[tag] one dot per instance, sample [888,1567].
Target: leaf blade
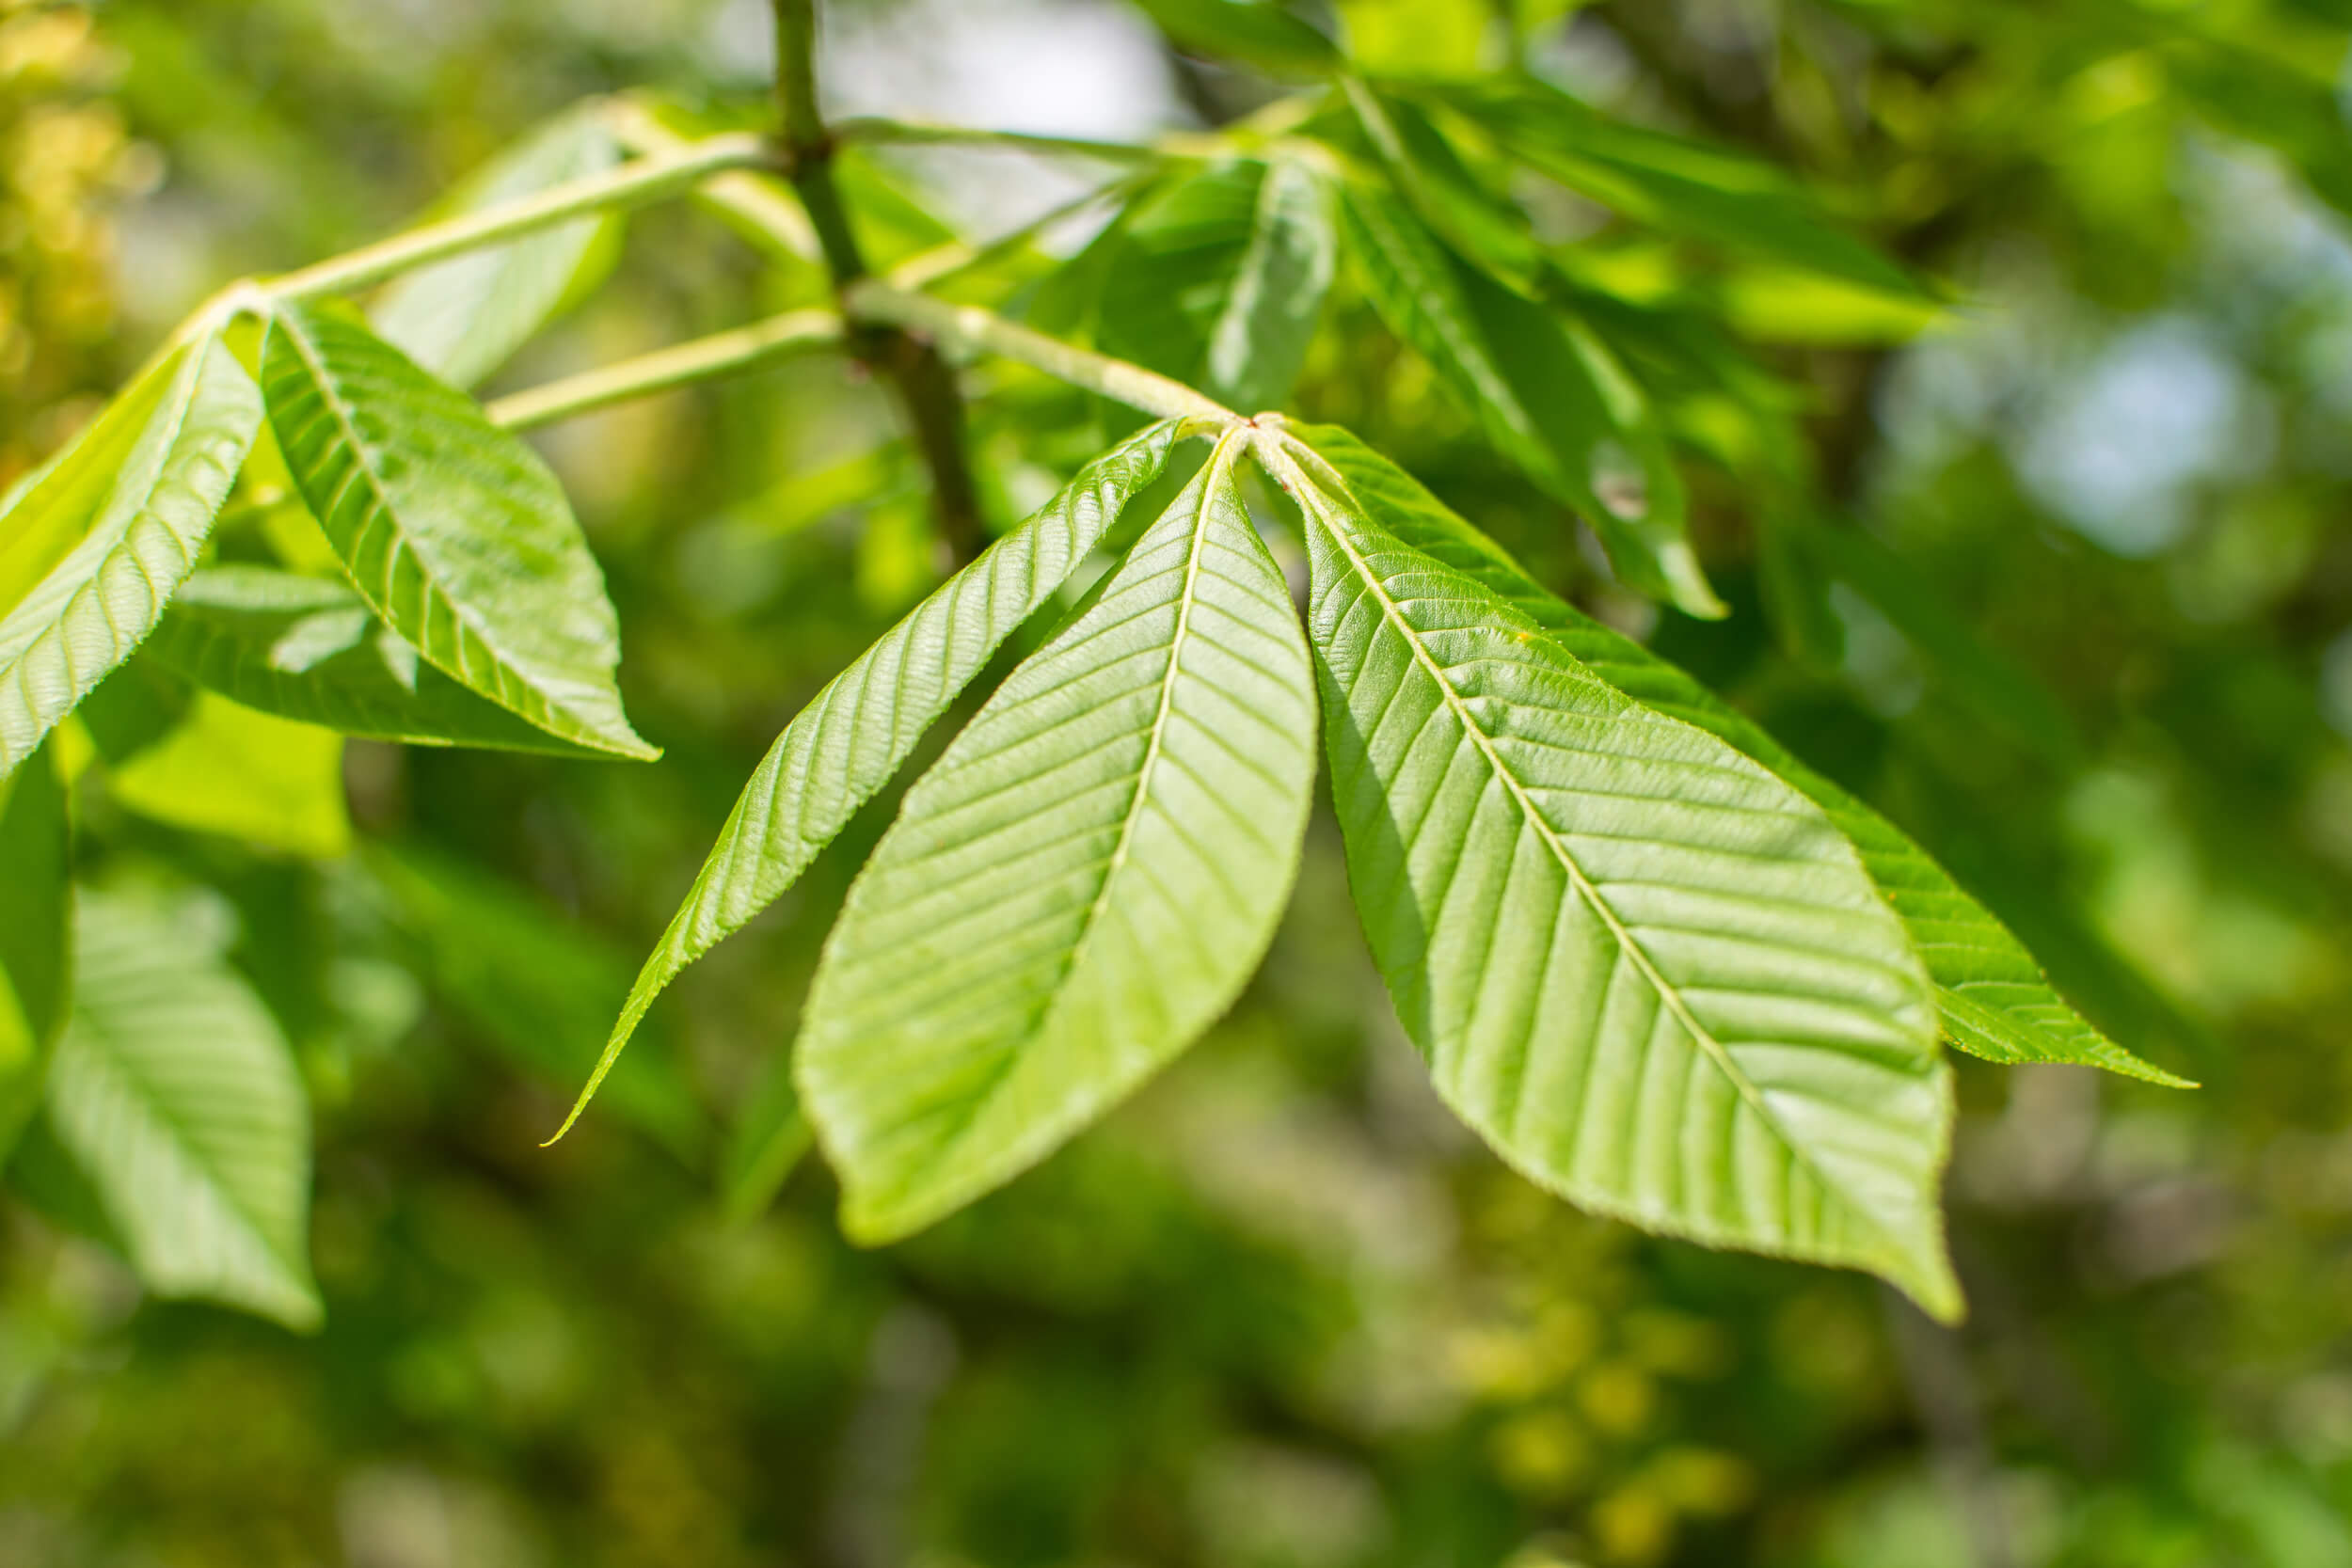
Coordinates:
[1745,1050]
[454,531]
[1994,1001]
[99,571]
[178,1096]
[1120,827]
[855,733]
[36,940]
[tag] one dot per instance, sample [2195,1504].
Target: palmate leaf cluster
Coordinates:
[1662,967]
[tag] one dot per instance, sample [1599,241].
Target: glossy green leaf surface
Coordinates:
[1652,975]
[855,734]
[36,945]
[96,545]
[178,1096]
[1219,279]
[453,531]
[462,318]
[1994,1001]
[310,649]
[1547,393]
[1080,886]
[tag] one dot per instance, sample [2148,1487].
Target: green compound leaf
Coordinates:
[1219,279]
[849,742]
[1547,391]
[1652,975]
[1995,1000]
[36,948]
[92,549]
[462,318]
[310,649]
[453,531]
[177,1097]
[1082,884]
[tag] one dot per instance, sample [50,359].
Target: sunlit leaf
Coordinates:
[849,742]
[177,1095]
[1260,32]
[453,531]
[226,769]
[462,319]
[1654,976]
[310,649]
[1547,393]
[1992,997]
[1219,279]
[35,914]
[1710,194]
[92,549]
[1079,887]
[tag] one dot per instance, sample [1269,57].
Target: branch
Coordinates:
[925,384]
[632,184]
[681,365]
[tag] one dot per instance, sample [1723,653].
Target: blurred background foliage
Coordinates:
[2074,610]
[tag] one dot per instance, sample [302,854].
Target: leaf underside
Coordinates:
[1080,886]
[1994,998]
[1647,971]
[310,649]
[111,529]
[453,531]
[854,736]
[179,1100]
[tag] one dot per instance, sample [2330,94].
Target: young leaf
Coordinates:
[95,546]
[849,742]
[462,318]
[36,909]
[1080,885]
[1260,32]
[1650,973]
[1708,194]
[1994,998]
[453,531]
[1548,395]
[308,649]
[226,768]
[1219,279]
[177,1095]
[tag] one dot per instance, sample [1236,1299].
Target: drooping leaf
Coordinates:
[1994,998]
[462,318]
[230,769]
[91,550]
[310,649]
[1260,32]
[849,742]
[1655,978]
[1546,392]
[453,531]
[532,986]
[1219,279]
[177,1095]
[1708,194]
[36,951]
[1079,887]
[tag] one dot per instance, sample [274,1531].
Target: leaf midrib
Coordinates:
[1218,472]
[363,459]
[1318,503]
